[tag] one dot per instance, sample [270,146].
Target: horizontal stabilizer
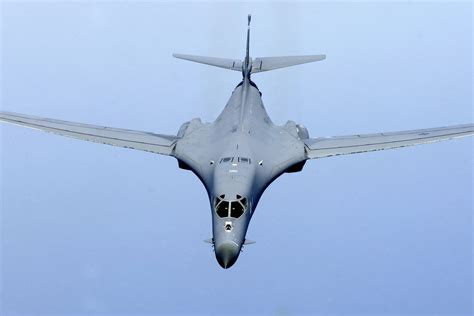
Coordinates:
[227,63]
[270,63]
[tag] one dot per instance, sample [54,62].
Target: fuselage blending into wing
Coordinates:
[237,157]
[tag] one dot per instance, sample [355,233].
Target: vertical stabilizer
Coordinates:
[247,67]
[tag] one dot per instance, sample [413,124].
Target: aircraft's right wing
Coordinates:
[342,145]
[155,143]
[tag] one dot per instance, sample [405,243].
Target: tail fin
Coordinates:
[249,66]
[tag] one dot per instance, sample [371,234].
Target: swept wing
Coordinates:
[156,143]
[342,145]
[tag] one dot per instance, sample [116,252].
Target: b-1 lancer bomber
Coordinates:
[239,154]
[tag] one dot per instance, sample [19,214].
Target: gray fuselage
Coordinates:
[237,157]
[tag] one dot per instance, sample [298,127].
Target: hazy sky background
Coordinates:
[94,229]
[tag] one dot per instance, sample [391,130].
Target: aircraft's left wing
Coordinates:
[342,145]
[156,143]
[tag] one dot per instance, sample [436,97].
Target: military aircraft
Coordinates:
[239,154]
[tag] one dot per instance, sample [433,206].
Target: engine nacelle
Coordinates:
[296,130]
[302,131]
[296,167]
[189,126]
[184,130]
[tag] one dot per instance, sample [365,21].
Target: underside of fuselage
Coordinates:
[237,157]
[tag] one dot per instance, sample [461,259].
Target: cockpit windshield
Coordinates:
[230,208]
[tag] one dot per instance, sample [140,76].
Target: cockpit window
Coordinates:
[244,160]
[234,208]
[227,159]
[222,209]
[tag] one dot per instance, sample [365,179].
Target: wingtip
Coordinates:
[319,57]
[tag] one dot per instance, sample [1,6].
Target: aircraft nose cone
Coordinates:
[227,253]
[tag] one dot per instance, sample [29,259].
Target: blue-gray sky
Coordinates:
[94,229]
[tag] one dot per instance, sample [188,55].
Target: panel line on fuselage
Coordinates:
[243,103]
[246,105]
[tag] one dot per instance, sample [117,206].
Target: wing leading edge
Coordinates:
[151,142]
[343,145]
